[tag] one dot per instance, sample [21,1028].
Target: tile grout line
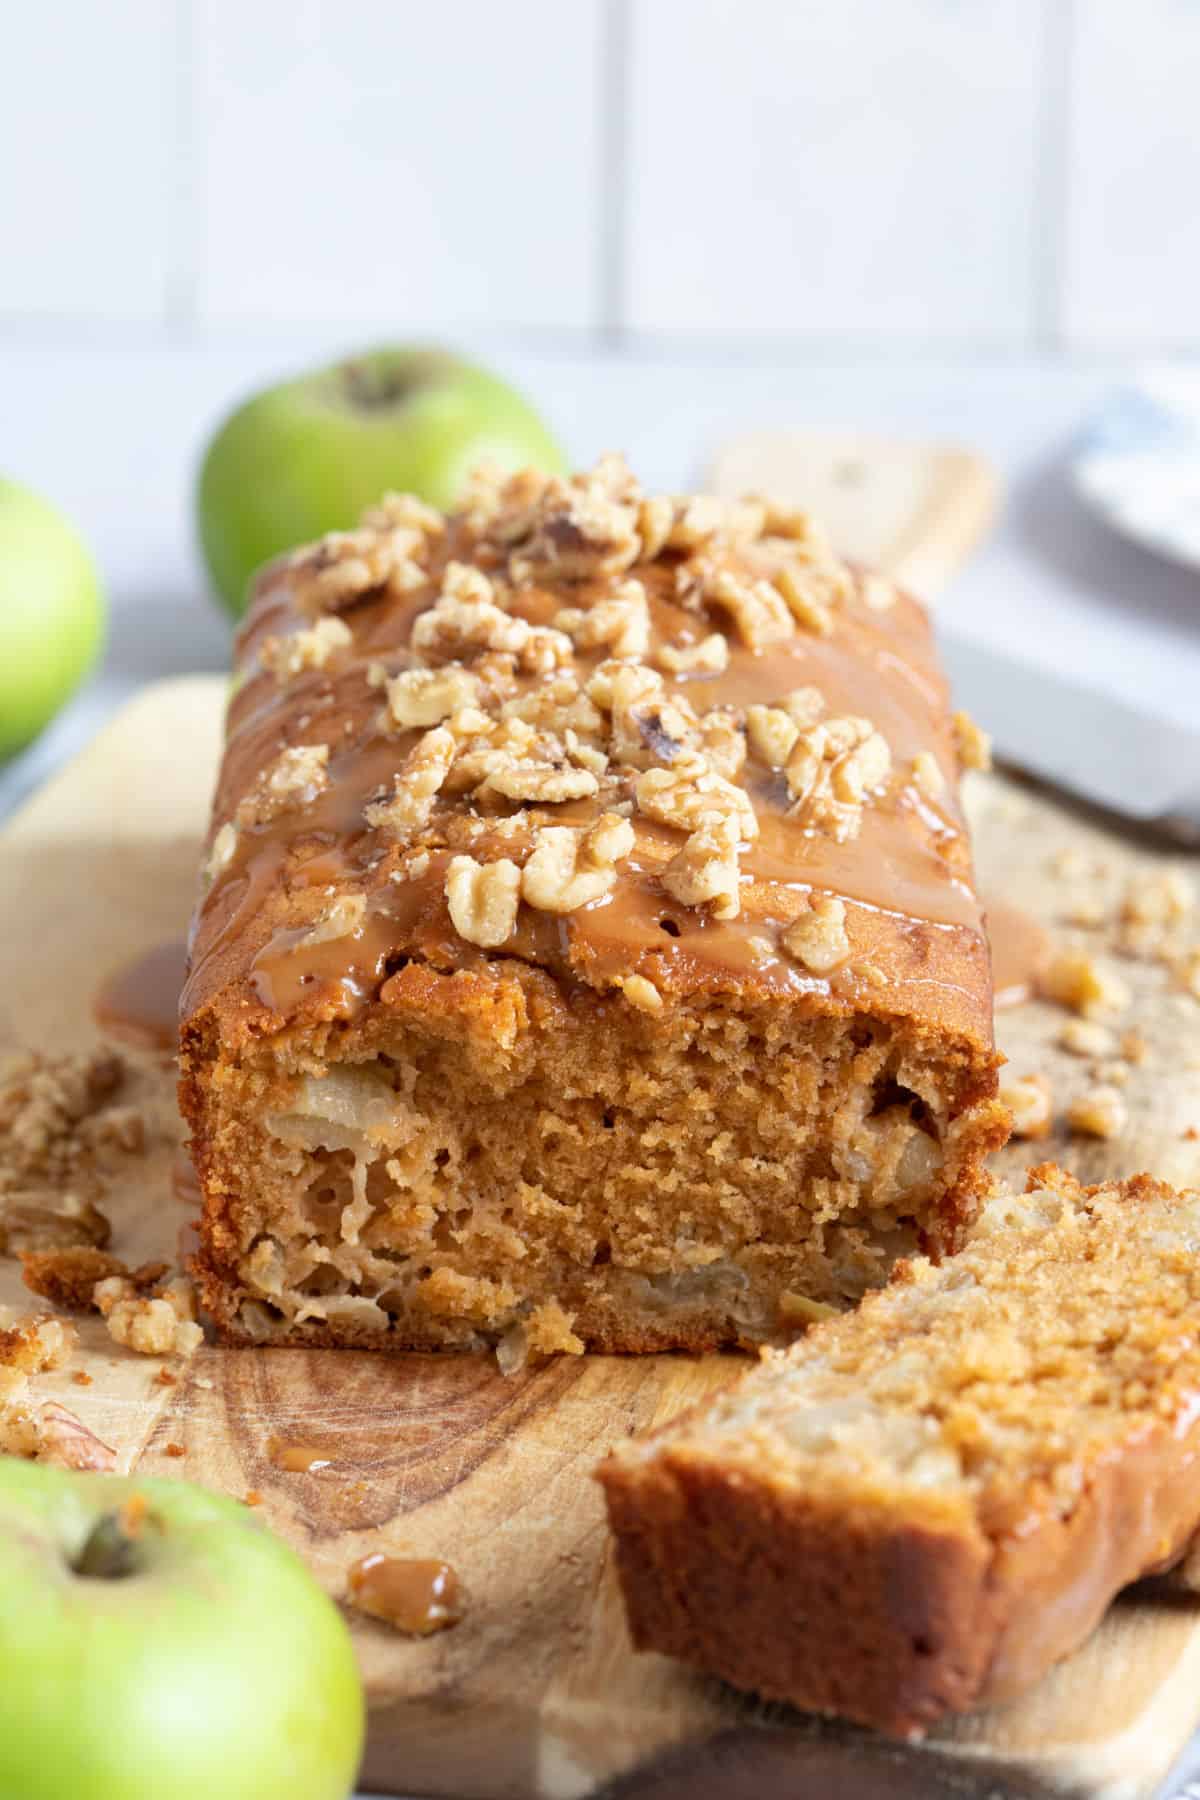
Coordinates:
[180,297]
[613,171]
[1052,178]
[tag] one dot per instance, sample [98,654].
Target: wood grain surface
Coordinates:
[536,1694]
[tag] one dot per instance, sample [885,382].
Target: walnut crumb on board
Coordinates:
[1101,1112]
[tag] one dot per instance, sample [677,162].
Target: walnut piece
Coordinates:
[313,648]
[640,993]
[832,770]
[972,742]
[1029,1100]
[708,656]
[345,567]
[483,899]
[417,786]
[690,795]
[292,780]
[1075,979]
[620,624]
[818,937]
[1086,1037]
[1160,898]
[759,611]
[422,697]
[570,868]
[927,775]
[706,871]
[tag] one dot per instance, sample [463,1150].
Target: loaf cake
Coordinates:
[589,955]
[922,1505]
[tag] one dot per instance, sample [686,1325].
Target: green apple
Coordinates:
[157,1644]
[51,614]
[307,456]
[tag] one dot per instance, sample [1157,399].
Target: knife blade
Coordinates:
[1087,742]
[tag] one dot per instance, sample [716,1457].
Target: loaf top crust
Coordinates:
[671,746]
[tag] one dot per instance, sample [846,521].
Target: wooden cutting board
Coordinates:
[536,1695]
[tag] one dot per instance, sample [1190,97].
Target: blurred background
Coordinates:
[666,220]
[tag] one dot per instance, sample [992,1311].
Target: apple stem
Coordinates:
[109,1552]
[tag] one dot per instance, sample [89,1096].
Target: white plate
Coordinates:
[1138,464]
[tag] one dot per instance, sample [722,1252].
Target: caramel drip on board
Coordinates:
[296,1458]
[138,1003]
[909,867]
[415,1596]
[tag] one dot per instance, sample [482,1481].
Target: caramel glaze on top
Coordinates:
[913,920]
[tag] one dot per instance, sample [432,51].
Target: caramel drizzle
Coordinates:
[910,862]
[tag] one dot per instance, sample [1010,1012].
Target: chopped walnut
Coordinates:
[620,624]
[615,684]
[809,609]
[1086,1037]
[972,742]
[548,780]
[293,780]
[418,784]
[584,527]
[773,730]
[421,697]
[1100,1112]
[342,918]
[159,1324]
[570,868]
[557,705]
[457,625]
[722,741]
[1030,1102]
[654,521]
[709,656]
[818,937]
[758,609]
[406,511]
[927,775]
[832,769]
[690,795]
[221,852]
[483,899]
[705,872]
[640,993]
[284,657]
[345,567]
[1161,898]
[1073,978]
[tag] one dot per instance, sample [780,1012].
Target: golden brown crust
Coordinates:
[579,753]
[842,1589]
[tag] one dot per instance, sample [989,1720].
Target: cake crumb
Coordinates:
[175,1450]
[1029,1099]
[1100,1112]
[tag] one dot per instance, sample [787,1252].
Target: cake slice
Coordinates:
[921,1506]
[589,954]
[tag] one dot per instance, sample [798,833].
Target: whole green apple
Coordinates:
[51,614]
[308,456]
[156,1644]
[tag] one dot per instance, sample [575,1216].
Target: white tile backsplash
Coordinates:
[862,168]
[86,143]
[1132,244]
[398,165]
[951,173]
